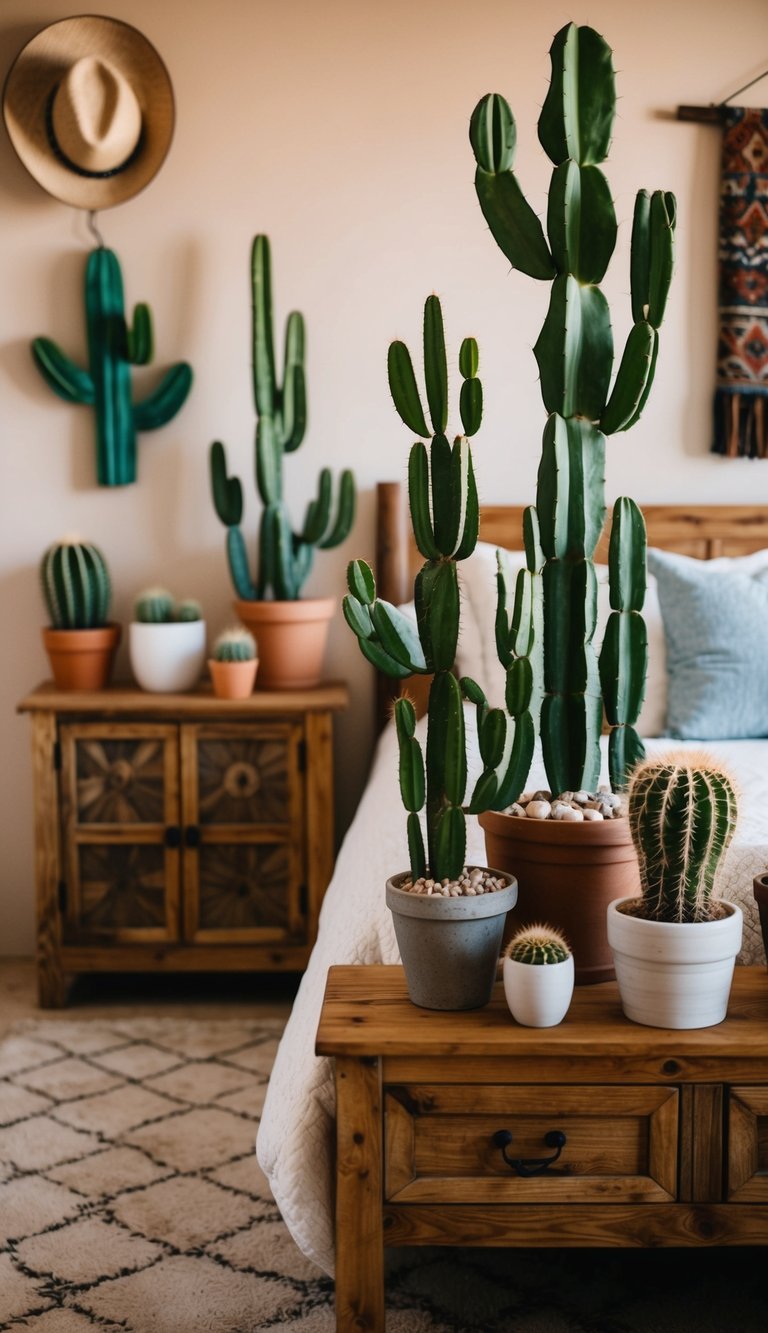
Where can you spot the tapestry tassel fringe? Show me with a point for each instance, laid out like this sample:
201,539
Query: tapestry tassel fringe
741,424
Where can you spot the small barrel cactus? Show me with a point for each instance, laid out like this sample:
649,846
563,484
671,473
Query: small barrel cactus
235,645
538,945
682,816
189,609
154,606
76,586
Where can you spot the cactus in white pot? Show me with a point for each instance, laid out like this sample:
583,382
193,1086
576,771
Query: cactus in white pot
166,641
538,976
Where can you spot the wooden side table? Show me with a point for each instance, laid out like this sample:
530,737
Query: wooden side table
179,832
466,1129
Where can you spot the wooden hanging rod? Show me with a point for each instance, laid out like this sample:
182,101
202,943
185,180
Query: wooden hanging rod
706,115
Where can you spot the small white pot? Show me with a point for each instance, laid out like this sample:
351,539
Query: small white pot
674,974
167,658
538,994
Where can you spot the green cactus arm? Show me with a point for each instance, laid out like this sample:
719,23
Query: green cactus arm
357,616
411,766
493,133
382,661
570,503
513,224
627,556
574,350
237,557
139,336
418,501
435,364
416,853
577,116
449,843
437,612
471,406
662,226
404,390
465,488
446,513
570,736
269,478
640,256
227,491
581,221
633,380
397,635
446,741
264,378
165,401
623,664
516,761
345,513
318,510
303,559
293,416
61,374
625,752
361,581
285,574
648,382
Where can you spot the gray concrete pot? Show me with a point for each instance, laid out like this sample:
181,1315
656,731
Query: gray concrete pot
450,946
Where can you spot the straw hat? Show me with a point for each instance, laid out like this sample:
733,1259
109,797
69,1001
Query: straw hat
88,105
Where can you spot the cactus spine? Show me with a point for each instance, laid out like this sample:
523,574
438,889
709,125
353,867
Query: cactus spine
575,356
682,815
445,516
113,347
76,586
285,556
538,945
235,645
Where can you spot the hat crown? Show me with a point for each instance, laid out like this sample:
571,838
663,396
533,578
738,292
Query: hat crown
96,118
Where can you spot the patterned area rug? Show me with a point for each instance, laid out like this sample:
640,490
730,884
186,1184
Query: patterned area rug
131,1202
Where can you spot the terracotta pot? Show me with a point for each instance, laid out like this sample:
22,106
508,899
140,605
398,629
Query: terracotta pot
82,659
291,638
567,874
233,680
449,947
760,890
674,974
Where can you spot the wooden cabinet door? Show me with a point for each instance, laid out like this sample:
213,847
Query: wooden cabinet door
748,1144
243,804
120,816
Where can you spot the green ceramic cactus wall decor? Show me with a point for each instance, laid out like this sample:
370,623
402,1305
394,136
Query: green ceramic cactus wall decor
585,402
285,556
113,347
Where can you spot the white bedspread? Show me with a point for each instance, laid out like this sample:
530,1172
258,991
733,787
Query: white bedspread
295,1144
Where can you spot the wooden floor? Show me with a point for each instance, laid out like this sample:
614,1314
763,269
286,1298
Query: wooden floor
196,996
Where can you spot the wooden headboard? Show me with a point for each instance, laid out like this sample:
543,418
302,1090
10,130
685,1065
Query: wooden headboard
703,531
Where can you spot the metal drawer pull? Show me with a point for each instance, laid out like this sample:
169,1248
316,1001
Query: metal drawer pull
530,1166
192,835
173,836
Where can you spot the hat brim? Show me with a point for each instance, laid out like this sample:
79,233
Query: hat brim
41,65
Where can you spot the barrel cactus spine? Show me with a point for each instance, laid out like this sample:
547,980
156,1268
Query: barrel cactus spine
76,585
538,945
113,347
682,816
445,518
234,645
575,357
285,555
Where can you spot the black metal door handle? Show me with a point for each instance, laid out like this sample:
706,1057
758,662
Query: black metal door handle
192,835
173,836
530,1166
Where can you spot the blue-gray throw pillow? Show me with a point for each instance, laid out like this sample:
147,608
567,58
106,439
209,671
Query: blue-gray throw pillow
716,630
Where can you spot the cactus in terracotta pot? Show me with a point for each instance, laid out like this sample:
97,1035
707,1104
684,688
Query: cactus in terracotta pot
682,816
75,583
445,515
585,402
285,554
234,645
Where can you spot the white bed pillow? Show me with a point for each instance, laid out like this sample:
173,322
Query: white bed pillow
477,658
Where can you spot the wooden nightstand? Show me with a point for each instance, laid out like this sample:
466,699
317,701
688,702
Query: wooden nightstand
179,832
611,1134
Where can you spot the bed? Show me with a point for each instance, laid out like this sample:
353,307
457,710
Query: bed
295,1143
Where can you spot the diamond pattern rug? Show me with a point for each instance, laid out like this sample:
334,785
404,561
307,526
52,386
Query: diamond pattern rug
131,1201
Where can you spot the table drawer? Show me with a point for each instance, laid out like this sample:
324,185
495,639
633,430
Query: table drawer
747,1179
621,1144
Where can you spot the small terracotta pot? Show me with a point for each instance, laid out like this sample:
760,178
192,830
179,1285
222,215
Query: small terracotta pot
567,874
292,638
233,680
81,659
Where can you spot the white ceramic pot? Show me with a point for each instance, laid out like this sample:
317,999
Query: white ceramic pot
167,658
674,974
538,994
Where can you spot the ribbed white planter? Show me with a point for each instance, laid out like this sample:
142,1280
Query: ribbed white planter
167,658
538,994
674,974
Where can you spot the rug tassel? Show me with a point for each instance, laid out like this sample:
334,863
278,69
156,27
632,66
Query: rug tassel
740,425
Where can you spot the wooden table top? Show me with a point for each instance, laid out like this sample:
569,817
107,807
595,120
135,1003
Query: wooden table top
366,1011
128,698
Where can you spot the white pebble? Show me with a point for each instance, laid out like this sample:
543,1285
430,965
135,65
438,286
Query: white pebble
589,812
538,809
581,797
542,796
517,810
572,815
558,809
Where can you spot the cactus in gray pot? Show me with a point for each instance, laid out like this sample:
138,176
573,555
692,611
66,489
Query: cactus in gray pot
682,816
285,555
585,402
445,516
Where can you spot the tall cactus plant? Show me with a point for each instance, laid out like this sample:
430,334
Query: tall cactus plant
682,815
445,516
76,586
575,357
285,555
113,347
